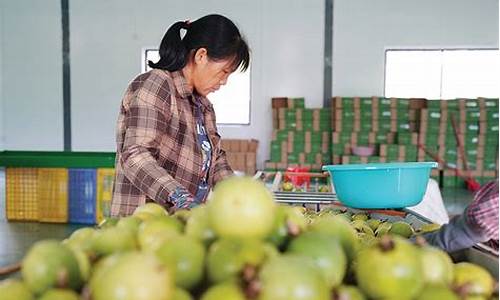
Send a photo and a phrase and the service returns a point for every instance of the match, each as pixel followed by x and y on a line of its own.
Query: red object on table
pixel 298 180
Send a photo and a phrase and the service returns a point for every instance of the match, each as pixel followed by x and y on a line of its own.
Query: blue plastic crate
pixel 82 196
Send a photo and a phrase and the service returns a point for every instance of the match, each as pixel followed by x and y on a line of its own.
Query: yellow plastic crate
pixel 53 195
pixel 105 179
pixel 21 194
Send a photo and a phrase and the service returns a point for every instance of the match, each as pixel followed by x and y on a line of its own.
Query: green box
pixel 281 135
pixel 366 125
pixel 449 181
pixel 384 113
pixel 293 158
pixel 384 125
pixel 307 114
pixel 404 138
pixel 431 139
pixel 471 103
pixel 452 104
pixel 275 156
pixel 402 103
pixel 345 138
pixel 347 114
pixel 384 103
pixel 489 166
pixel 472 114
pixel 311 158
pixel 491 103
pixel 411 152
pixel 299 102
pixel 403 115
pixel 347 102
pixel 403 125
pixel 434 104
pixel 492 115
pixel 373 159
pixel 381 137
pixel 393 151
pixel 337 149
pixel 354 159
pixel 366 114
pixel 433 114
pixel 275 145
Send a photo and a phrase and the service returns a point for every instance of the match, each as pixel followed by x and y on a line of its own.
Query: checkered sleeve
pixel 482 213
pixel 144 120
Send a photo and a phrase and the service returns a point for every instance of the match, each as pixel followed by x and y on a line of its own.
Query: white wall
pixel 2 142
pixel 31 75
pixel 286 37
pixel 364 29
pixel 107 38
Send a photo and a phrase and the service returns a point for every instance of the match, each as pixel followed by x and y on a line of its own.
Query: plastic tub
pixel 380 185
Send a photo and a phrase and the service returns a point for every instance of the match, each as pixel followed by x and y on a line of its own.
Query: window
pixel 231 102
pixel 442 74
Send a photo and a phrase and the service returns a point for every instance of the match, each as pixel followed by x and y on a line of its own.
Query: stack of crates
pixel 387 124
pixel 477 126
pixel 301 136
pixel 58 187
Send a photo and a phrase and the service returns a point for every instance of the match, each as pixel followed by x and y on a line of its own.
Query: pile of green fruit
pixel 241 246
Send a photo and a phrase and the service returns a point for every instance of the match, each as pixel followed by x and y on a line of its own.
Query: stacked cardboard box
pixel 373 121
pixel 301 136
pixel 477 126
pixel 241 154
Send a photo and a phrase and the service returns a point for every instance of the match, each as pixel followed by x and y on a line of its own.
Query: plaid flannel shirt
pixel 482 213
pixel 158 153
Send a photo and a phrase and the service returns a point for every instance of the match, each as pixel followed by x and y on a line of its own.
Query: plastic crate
pixel 82 196
pixel 105 179
pixel 53 195
pixel 21 194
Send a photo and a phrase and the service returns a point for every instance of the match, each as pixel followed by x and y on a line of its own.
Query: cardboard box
pixel 343 102
pixel 279 102
pixel 298 102
pixel 269 166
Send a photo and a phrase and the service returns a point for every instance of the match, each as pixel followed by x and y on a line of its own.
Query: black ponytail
pixel 173 52
pixel 216 33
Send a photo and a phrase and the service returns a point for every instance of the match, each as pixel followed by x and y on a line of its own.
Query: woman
pixel 168 148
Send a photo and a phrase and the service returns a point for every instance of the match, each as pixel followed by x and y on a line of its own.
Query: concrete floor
pixel 17 237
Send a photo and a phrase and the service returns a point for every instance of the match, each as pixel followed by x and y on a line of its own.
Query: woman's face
pixel 209 75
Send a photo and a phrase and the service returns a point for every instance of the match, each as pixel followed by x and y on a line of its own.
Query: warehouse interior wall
pixel 286 38
pixel 364 29
pixel 32 103
pixel 2 138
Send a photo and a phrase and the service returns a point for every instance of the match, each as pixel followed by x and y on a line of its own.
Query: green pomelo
pixel 292 277
pixel 326 252
pixel 13 289
pixel 133 276
pixel 241 207
pixel 186 257
pixel 389 269
pixel 50 264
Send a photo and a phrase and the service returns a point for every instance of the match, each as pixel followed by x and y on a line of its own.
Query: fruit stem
pixel 62 278
pixel 249 273
pixel 420 241
pixel 386 243
pixel 293 229
pixel 462 290
pixel 253 288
